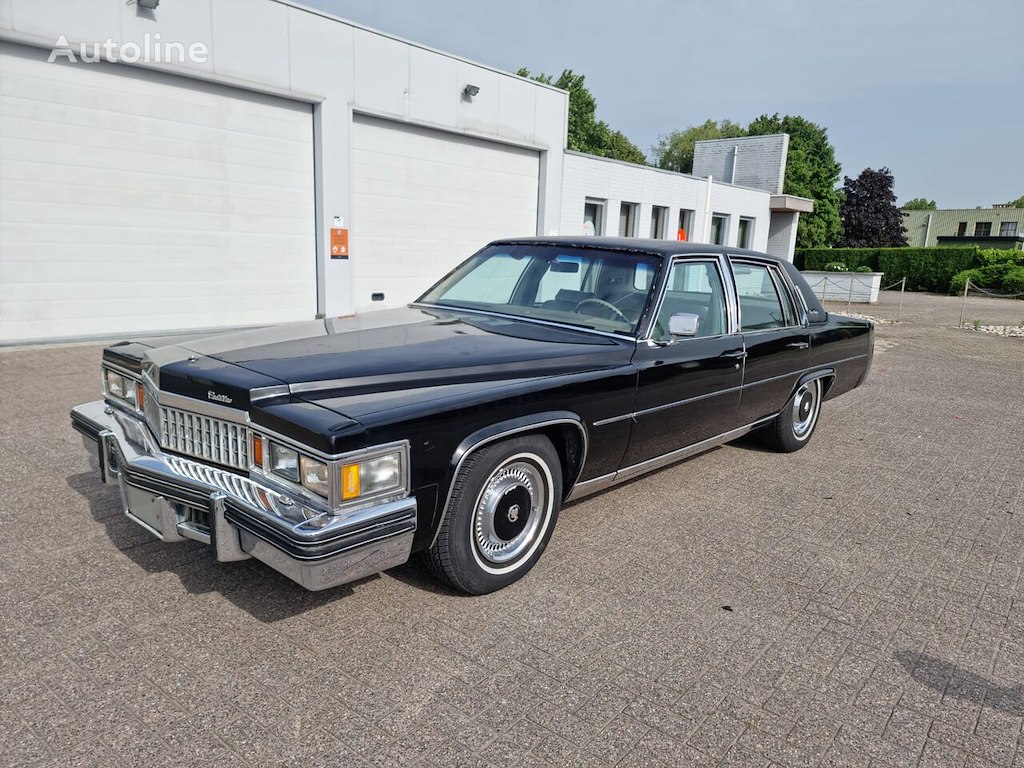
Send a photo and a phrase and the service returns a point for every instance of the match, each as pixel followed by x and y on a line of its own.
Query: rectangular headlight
pixel 315 476
pixel 372 476
pixel 120 387
pixel 377 473
pixel 284 462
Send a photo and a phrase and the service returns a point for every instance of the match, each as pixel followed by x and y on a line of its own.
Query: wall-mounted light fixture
pixel 470 91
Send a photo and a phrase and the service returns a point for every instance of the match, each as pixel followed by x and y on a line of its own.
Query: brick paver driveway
pixel 855 603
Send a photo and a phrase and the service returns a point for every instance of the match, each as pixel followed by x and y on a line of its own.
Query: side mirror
pixel 683 324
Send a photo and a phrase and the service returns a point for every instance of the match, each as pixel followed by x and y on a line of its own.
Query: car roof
pixel 663 248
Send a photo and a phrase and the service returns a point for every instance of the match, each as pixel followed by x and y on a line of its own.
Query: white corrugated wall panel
pixel 424 200
pixel 132 201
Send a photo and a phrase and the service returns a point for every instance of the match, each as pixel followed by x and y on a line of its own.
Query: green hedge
pixel 818 258
pixel 926 269
pixel 1003 271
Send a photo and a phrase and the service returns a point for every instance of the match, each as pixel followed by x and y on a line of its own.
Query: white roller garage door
pixel 132 201
pixel 424 200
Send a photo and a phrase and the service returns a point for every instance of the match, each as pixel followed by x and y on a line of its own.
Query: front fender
pixel 502 429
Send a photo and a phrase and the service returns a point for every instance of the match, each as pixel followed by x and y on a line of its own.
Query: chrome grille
pixel 241 487
pixel 193 434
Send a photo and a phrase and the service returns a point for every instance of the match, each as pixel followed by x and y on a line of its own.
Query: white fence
pixel 859 287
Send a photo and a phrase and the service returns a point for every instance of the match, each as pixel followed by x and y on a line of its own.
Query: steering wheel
pixel 606 305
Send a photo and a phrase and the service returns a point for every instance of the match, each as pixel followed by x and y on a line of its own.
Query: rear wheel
pixel 502 512
pixel 793 427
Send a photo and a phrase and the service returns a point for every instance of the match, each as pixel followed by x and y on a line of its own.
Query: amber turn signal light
pixel 350 481
pixel 257 451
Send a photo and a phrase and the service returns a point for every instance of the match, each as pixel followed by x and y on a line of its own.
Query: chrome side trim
pixel 613 419
pixel 622 336
pixel 691 450
pixel 628 473
pixel 518 430
pixel 677 403
pixel 588 487
pixel 803 371
pixel 819 374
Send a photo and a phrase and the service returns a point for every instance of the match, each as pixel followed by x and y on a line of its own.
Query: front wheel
pixel 502 512
pixel 793 427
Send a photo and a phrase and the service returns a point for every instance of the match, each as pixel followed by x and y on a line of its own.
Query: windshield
pixel 591 288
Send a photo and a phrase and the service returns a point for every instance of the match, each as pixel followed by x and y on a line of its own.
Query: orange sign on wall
pixel 339 243
pixel 681 235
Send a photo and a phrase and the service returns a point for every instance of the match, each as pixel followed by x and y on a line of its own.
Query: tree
pixel 621 148
pixel 674 151
pixel 919 204
pixel 811 171
pixel 869 213
pixel 586 132
pixel 1018 203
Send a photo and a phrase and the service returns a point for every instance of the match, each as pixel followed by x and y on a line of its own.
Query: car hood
pixel 362 364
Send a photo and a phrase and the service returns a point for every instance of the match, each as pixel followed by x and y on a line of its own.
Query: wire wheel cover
pixel 510 511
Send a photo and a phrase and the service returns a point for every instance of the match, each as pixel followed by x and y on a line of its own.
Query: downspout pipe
pixel 707 211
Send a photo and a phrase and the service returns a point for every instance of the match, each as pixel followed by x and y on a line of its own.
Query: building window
pixel 593 217
pixel 1008 229
pixel 659 222
pixel 627 219
pixel 961 229
pixel 983 229
pixel 745 234
pixel 685 224
pixel 719 228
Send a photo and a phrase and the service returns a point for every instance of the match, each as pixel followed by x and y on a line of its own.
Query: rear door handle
pixel 798 345
pixel 736 354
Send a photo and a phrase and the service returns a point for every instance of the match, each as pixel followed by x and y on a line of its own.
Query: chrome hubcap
pixel 805 409
pixel 510 512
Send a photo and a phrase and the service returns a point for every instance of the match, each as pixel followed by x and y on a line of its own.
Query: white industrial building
pixel 192 166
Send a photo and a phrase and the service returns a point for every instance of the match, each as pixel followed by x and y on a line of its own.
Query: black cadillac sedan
pixel 536 372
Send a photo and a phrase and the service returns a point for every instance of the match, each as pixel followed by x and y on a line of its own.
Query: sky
pixel 931 89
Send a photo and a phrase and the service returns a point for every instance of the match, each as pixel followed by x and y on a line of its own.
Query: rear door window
pixel 762 307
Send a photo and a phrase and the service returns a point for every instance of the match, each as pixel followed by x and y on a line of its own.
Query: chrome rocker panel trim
pixel 598 484
pixel 164 494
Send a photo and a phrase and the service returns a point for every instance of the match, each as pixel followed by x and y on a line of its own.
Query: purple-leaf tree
pixel 869 213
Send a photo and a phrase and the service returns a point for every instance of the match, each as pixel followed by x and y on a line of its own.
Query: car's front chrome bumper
pixel 177 499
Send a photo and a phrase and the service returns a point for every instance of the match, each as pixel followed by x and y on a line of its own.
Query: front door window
pixel 694 287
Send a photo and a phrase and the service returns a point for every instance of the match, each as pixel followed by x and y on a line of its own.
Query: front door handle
pixel 798 345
